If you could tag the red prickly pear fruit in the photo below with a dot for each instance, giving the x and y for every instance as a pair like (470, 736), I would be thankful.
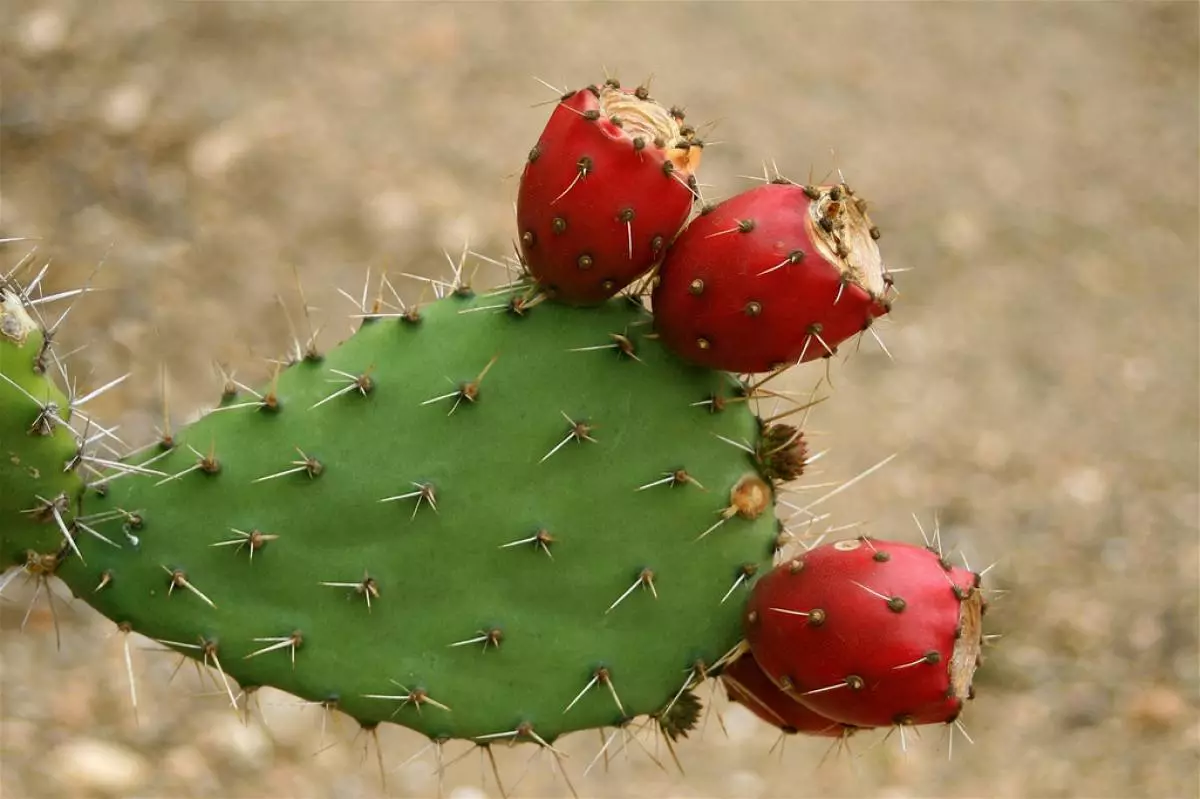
(870, 633)
(776, 275)
(748, 685)
(606, 189)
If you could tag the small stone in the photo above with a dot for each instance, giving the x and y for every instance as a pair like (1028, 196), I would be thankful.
(453, 231)
(1085, 486)
(992, 450)
(741, 724)
(43, 32)
(1137, 373)
(20, 737)
(1158, 708)
(961, 232)
(1081, 705)
(215, 152)
(391, 211)
(245, 744)
(467, 792)
(288, 729)
(86, 764)
(187, 765)
(419, 777)
(125, 108)
(747, 784)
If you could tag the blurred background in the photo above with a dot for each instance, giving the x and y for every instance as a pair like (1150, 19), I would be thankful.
(1033, 168)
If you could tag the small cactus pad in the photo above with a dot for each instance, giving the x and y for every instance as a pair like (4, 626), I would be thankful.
(486, 522)
(38, 464)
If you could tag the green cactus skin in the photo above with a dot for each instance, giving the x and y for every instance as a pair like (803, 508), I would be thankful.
(38, 464)
(270, 498)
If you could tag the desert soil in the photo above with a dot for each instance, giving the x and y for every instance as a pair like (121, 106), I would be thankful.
(1033, 168)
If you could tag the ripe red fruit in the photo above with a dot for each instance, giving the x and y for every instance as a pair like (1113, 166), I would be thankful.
(747, 684)
(777, 275)
(869, 633)
(606, 188)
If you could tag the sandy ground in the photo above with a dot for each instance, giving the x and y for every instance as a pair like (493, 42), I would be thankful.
(1034, 165)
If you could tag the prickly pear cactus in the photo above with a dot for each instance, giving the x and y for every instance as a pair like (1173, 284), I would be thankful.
(503, 518)
(487, 521)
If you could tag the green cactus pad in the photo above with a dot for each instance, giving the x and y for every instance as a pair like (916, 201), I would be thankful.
(486, 511)
(37, 450)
